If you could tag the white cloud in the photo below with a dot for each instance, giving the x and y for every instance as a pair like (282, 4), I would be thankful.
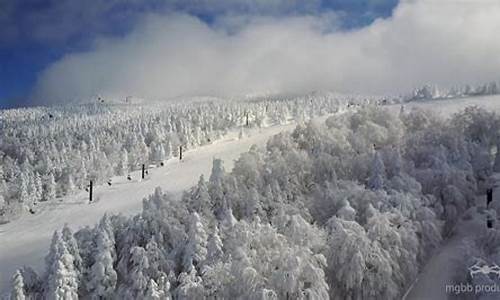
(437, 41)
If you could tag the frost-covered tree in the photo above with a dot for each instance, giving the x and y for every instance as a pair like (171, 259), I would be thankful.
(168, 149)
(137, 282)
(62, 276)
(216, 189)
(199, 199)
(103, 277)
(496, 164)
(153, 293)
(346, 212)
(50, 188)
(190, 286)
(72, 247)
(24, 196)
(376, 180)
(17, 292)
(214, 247)
(123, 164)
(38, 196)
(156, 259)
(195, 251)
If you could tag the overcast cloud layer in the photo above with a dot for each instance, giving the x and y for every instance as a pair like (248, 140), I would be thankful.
(429, 41)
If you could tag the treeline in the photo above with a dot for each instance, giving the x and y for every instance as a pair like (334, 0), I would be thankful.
(346, 209)
(431, 92)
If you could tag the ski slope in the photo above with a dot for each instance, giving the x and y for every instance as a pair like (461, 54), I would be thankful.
(26, 241)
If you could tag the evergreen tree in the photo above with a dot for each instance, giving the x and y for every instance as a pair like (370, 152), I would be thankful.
(156, 259)
(17, 292)
(199, 199)
(168, 149)
(138, 280)
(190, 286)
(376, 180)
(153, 293)
(214, 247)
(103, 277)
(195, 251)
(38, 188)
(70, 184)
(216, 189)
(161, 153)
(72, 246)
(123, 164)
(24, 196)
(50, 188)
(62, 277)
(496, 165)
(164, 287)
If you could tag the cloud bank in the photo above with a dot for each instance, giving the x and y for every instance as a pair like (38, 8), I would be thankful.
(428, 41)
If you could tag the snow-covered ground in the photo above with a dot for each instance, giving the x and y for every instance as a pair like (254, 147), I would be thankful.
(441, 268)
(25, 241)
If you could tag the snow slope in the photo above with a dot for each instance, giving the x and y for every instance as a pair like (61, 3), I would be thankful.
(26, 241)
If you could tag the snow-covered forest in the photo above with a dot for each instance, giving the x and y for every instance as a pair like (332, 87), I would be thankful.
(349, 208)
(49, 152)
(430, 92)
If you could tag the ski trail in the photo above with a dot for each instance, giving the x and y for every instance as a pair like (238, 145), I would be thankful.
(440, 269)
(437, 273)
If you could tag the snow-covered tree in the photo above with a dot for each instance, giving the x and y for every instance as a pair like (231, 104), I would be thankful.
(24, 197)
(496, 164)
(72, 247)
(62, 276)
(216, 189)
(50, 188)
(195, 251)
(153, 293)
(376, 180)
(214, 247)
(103, 277)
(38, 188)
(199, 199)
(123, 164)
(190, 286)
(17, 292)
(137, 282)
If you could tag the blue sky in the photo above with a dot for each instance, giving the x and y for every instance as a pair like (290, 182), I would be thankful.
(36, 33)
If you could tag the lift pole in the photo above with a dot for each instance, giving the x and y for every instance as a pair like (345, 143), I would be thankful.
(90, 191)
(143, 170)
(180, 152)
